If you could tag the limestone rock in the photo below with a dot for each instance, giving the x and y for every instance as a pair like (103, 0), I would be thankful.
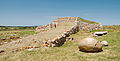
(90, 45)
(104, 43)
(100, 33)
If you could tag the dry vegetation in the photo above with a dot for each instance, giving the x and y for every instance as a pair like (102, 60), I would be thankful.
(70, 52)
(87, 21)
(13, 35)
(8, 36)
(9, 33)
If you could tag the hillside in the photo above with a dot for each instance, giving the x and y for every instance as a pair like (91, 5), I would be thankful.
(88, 21)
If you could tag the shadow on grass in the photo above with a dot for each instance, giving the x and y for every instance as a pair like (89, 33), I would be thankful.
(91, 51)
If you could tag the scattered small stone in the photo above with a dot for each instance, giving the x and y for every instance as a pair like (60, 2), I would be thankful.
(1, 51)
(31, 49)
(45, 44)
(1, 43)
(105, 43)
(5, 42)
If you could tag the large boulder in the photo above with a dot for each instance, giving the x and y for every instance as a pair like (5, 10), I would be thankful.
(90, 45)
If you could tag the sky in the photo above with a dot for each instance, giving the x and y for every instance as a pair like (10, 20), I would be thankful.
(42, 12)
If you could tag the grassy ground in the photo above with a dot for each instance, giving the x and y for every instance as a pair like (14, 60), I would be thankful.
(69, 51)
(88, 21)
(7, 36)
(9, 33)
(12, 28)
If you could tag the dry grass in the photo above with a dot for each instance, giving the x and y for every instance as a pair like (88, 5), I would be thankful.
(88, 21)
(69, 51)
(8, 36)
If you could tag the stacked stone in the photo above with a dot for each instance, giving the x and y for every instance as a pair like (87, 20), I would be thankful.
(59, 40)
(44, 28)
(66, 19)
(79, 25)
(86, 26)
(41, 28)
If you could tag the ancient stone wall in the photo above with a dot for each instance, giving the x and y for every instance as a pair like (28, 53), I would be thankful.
(60, 39)
(86, 26)
(78, 26)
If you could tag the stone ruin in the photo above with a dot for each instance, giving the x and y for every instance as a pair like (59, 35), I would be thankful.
(81, 25)
(55, 41)
(78, 26)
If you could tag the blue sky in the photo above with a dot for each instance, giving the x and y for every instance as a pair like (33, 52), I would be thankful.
(41, 12)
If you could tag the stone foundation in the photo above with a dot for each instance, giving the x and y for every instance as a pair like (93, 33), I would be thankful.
(60, 39)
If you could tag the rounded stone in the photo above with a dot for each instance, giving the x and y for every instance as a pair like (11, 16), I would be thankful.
(90, 45)
(104, 43)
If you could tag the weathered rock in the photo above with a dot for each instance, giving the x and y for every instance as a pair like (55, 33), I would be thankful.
(1, 51)
(69, 38)
(31, 49)
(45, 44)
(100, 33)
(104, 43)
(90, 45)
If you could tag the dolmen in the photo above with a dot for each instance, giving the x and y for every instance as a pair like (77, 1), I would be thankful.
(91, 45)
(100, 33)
